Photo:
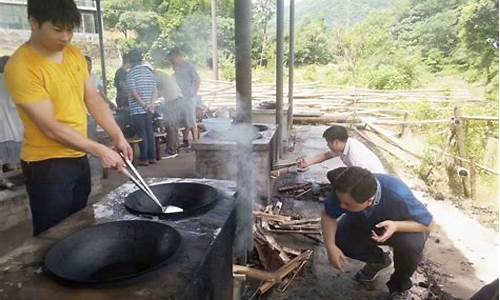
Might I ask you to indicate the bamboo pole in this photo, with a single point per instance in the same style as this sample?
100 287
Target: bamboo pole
472 179
368 140
413 123
465 160
480 118
441 155
393 141
404 125
460 138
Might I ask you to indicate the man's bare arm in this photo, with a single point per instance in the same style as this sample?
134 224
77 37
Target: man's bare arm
309 161
335 256
42 114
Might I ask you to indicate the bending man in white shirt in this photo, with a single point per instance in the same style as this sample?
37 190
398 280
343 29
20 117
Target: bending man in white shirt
352 152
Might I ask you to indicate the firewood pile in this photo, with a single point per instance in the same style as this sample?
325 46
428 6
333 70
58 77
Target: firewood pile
281 264
305 191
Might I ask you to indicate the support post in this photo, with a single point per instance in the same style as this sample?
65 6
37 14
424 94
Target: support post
100 30
245 180
460 138
291 64
472 179
404 125
215 58
279 73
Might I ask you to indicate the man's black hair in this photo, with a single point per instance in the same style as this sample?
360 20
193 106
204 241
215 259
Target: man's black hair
134 57
3 62
359 183
89 62
335 132
88 59
63 13
125 58
175 52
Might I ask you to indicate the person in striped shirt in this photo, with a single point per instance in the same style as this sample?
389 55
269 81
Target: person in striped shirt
141 84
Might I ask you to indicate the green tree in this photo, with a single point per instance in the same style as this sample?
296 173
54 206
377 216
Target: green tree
479 35
313 44
263 13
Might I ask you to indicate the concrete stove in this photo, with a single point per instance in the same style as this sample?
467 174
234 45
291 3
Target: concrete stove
217 158
200 269
266 115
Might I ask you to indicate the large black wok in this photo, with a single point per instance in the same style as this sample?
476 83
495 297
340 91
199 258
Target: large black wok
112 251
193 198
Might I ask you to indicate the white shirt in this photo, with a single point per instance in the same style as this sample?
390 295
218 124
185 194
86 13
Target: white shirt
168 87
356 154
11 128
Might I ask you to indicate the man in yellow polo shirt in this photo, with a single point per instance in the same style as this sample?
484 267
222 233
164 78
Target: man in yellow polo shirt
49 82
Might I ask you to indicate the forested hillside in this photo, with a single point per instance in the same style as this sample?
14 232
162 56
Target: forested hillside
339 13
395 44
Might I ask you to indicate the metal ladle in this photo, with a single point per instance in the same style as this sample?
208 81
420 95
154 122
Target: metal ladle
144 187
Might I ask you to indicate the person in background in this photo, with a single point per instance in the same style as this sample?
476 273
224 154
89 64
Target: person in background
11 130
98 83
122 112
351 152
172 110
189 81
141 84
49 82
120 83
367 210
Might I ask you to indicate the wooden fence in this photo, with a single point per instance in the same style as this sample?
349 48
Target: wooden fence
373 111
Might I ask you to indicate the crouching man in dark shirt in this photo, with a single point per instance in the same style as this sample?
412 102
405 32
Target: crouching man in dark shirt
376 209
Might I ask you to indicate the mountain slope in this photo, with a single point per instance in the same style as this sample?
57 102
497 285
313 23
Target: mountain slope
338 13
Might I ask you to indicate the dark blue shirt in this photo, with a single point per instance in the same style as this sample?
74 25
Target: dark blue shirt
394 201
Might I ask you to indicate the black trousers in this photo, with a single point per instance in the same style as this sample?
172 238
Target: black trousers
354 239
143 125
56 188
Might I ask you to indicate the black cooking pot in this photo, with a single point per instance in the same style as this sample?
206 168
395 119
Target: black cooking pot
260 127
111 252
193 198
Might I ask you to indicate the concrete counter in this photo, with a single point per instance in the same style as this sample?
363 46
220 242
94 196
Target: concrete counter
200 269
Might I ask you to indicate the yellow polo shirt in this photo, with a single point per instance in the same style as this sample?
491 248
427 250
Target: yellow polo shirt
32 78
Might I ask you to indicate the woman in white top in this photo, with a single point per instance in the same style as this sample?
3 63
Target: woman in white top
352 152
11 129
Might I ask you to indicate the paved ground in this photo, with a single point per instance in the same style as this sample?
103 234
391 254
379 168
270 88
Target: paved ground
460 255
461 252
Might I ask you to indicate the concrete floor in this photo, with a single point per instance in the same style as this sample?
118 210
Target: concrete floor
318 280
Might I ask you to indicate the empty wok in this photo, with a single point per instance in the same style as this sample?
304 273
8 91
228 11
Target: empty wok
111 252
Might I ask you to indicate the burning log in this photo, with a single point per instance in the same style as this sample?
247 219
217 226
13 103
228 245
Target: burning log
315 239
303 193
294 187
286 283
272 243
277 276
301 231
286 269
301 221
271 217
254 273
284 165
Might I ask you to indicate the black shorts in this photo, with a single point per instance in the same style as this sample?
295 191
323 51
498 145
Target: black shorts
56 188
